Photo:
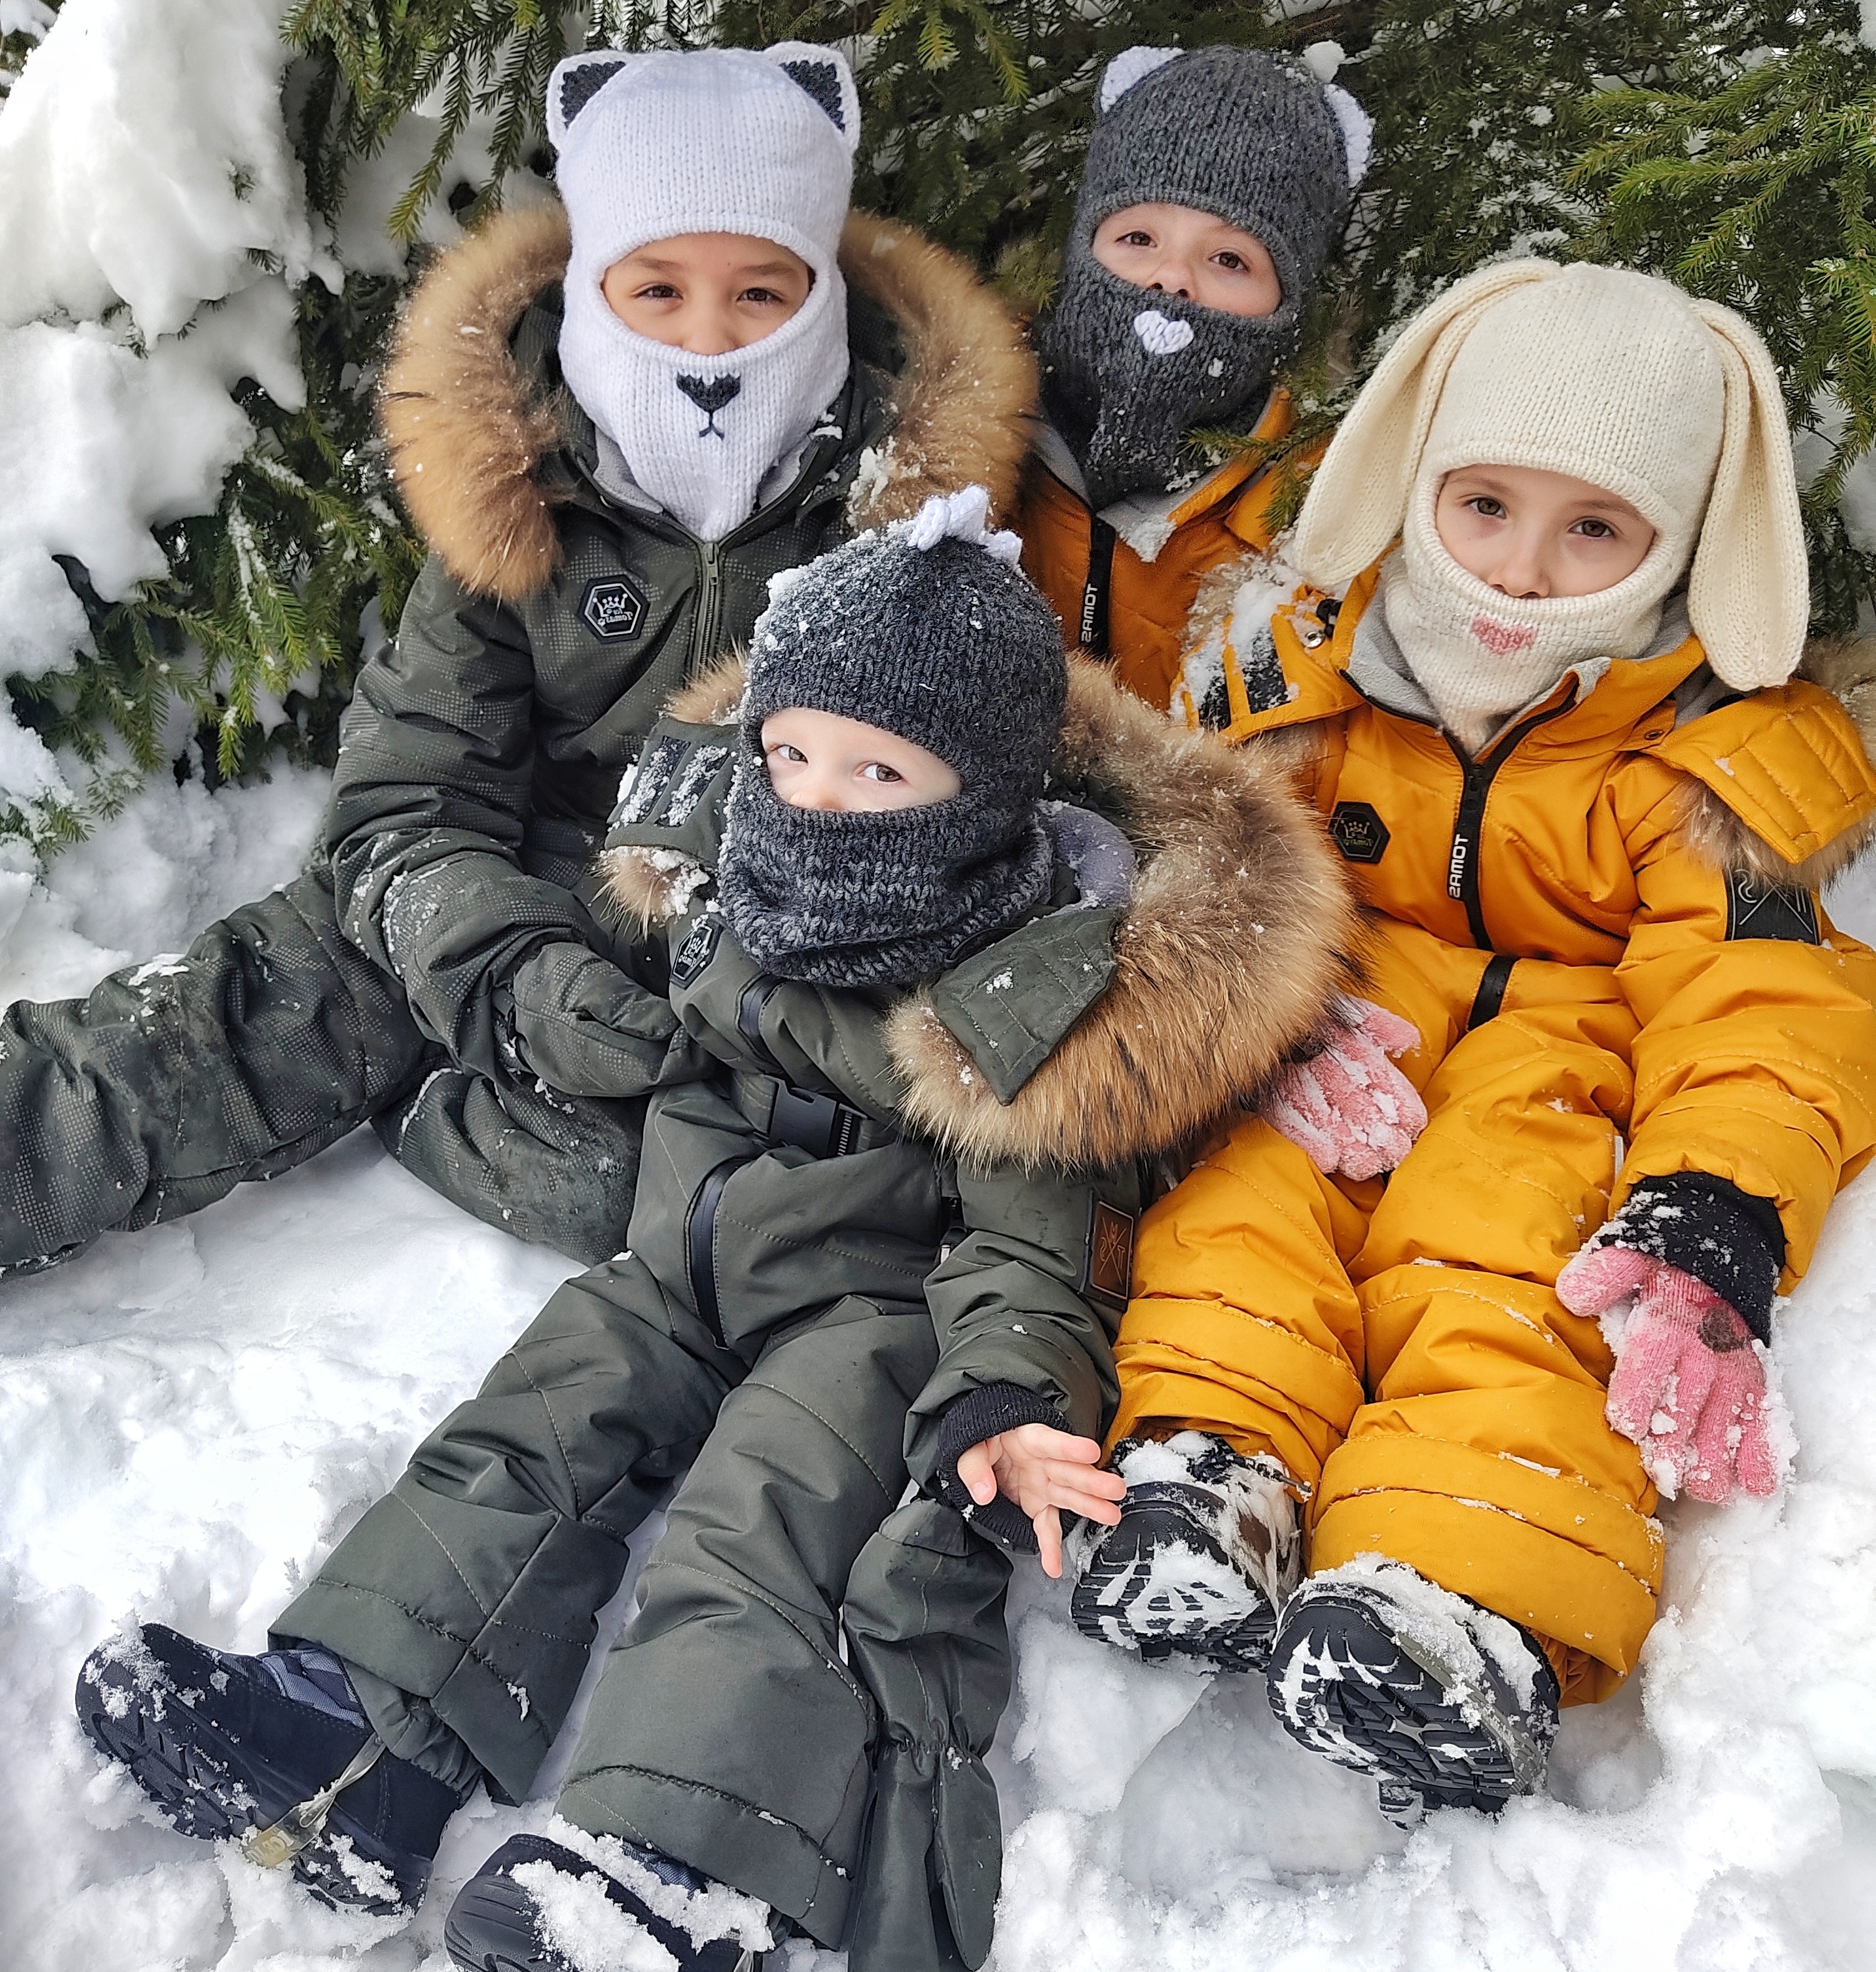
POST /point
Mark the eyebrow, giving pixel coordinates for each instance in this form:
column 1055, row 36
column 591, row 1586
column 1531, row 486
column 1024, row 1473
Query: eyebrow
column 1598, row 503
column 653, row 265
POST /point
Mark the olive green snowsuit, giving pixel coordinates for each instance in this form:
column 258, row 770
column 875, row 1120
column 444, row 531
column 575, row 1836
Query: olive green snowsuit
column 781, row 1321
column 480, row 756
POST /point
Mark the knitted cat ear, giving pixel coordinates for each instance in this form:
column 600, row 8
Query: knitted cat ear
column 823, row 72
column 1749, row 595
column 1130, row 66
column 1357, row 502
column 573, row 85
column 1357, row 131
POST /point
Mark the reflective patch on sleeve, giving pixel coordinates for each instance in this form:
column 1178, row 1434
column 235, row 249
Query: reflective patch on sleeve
column 1756, row 909
column 1111, row 1253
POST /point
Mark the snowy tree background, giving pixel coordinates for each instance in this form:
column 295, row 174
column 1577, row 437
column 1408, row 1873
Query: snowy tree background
column 206, row 214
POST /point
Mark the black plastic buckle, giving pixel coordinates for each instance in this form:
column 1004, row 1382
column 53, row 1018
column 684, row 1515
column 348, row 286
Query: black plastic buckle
column 822, row 1125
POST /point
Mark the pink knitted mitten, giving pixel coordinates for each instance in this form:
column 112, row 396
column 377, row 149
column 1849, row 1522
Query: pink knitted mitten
column 1348, row 1107
column 1689, row 1385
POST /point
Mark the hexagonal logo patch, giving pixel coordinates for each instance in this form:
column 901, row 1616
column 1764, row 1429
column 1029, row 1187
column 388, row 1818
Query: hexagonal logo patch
column 1359, row 832
column 613, row 607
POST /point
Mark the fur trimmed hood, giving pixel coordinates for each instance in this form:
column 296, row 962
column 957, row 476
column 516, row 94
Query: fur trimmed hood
column 1240, row 931
column 467, row 434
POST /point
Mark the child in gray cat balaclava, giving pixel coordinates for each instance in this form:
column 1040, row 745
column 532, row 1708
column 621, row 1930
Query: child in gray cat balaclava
column 1217, row 184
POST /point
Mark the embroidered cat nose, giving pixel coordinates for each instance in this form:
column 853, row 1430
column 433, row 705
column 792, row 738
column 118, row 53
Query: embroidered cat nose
column 1503, row 639
column 710, row 394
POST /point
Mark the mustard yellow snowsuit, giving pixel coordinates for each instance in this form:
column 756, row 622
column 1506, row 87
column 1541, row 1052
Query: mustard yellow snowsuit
column 1599, row 1000
column 1133, row 612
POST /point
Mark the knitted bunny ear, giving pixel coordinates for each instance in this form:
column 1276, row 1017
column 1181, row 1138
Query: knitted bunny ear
column 1357, row 502
column 574, row 84
column 1130, row 66
column 823, row 72
column 1749, row 597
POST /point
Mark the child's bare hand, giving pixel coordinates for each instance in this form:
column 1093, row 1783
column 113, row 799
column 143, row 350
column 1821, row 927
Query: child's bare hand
column 1045, row 1472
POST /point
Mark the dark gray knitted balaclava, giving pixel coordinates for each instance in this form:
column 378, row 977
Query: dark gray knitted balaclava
column 930, row 631
column 1256, row 138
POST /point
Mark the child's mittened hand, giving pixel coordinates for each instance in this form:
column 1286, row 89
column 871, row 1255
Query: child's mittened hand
column 1046, row 1472
column 1689, row 1385
column 1348, row 1109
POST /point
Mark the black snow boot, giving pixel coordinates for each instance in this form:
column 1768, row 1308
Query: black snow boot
column 1446, row 1705
column 273, row 1751
column 538, row 1906
column 1209, row 1545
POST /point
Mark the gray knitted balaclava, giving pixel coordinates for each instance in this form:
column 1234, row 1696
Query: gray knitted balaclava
column 1255, row 139
column 929, row 630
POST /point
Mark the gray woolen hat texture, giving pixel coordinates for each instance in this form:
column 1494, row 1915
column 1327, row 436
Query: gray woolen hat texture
column 1237, row 132
column 944, row 642
column 1127, row 372
column 946, row 646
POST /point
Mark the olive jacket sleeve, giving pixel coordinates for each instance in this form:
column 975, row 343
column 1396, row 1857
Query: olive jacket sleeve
column 430, row 808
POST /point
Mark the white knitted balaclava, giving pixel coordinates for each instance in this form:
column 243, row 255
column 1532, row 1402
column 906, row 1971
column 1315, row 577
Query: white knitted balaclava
column 1602, row 375
column 723, row 140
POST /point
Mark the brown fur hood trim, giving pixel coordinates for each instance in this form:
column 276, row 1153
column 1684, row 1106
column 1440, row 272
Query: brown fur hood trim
column 1239, row 933
column 1846, row 669
column 466, row 435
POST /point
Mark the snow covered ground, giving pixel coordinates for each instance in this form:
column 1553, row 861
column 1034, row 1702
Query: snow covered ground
column 191, row 1416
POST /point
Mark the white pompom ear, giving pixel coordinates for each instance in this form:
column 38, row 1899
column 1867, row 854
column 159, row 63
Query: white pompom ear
column 962, row 516
column 823, row 72
column 1130, row 66
column 1358, row 130
column 574, row 84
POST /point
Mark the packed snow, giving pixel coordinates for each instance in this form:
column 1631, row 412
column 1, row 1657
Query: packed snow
column 194, row 1414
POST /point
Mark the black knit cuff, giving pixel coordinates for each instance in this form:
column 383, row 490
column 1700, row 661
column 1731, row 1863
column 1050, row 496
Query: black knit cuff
column 969, row 1418
column 1731, row 1241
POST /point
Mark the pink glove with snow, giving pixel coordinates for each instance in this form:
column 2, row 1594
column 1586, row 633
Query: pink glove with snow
column 1689, row 1385
column 1348, row 1107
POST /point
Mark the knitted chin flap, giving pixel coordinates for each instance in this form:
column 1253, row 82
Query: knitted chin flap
column 721, row 140
column 929, row 630
column 1128, row 372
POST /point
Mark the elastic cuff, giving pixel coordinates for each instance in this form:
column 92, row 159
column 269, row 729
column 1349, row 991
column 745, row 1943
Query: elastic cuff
column 1730, row 1240
column 970, row 1417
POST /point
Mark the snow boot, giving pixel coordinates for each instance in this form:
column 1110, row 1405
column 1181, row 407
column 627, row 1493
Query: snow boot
column 274, row 1752
column 1210, row 1543
column 1446, row 1705
column 536, row 1906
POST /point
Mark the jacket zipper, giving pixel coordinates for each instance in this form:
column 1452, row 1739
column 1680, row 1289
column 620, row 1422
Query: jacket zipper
column 709, row 605
column 1476, row 779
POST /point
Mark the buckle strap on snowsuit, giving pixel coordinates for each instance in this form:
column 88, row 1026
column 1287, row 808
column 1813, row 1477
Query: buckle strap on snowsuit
column 822, row 1125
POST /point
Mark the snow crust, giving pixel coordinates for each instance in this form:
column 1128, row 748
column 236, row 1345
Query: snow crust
column 194, row 1415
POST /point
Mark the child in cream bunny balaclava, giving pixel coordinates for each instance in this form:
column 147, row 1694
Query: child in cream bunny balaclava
column 1402, row 1448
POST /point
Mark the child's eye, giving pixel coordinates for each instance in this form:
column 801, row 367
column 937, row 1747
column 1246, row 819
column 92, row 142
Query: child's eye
column 658, row 290
column 1232, row 262
column 1596, row 530
column 878, row 770
column 1136, row 238
column 781, row 750
column 762, row 297
column 1483, row 504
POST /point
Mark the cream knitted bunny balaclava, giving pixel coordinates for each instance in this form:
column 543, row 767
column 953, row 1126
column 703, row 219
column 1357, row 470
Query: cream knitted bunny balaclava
column 721, row 140
column 1605, row 375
